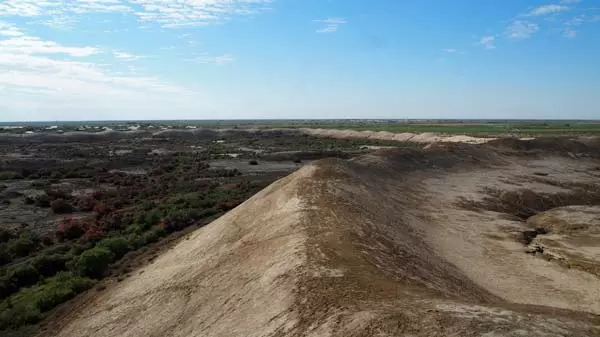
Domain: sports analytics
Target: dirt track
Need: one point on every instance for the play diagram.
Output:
(401, 242)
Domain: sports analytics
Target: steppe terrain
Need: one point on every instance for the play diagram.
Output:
(496, 239)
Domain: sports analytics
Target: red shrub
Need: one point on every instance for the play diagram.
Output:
(94, 234)
(70, 229)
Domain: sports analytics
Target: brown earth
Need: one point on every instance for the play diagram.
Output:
(397, 243)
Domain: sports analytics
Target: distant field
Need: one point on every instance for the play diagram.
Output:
(479, 128)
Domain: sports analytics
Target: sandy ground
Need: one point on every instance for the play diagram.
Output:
(376, 246)
(426, 137)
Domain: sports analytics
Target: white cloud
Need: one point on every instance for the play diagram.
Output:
(569, 1)
(548, 9)
(29, 45)
(167, 13)
(46, 69)
(521, 29)
(331, 25)
(7, 29)
(450, 50)
(219, 60)
(328, 29)
(333, 21)
(488, 42)
(126, 56)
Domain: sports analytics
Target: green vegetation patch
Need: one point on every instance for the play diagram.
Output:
(28, 305)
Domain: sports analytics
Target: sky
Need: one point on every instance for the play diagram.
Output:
(278, 59)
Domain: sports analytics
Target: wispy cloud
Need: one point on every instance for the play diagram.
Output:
(10, 30)
(166, 13)
(126, 56)
(30, 65)
(218, 60)
(521, 29)
(31, 45)
(548, 9)
(569, 1)
(570, 33)
(488, 42)
(331, 25)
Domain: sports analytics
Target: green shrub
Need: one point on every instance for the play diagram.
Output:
(152, 218)
(119, 246)
(134, 229)
(48, 265)
(24, 274)
(154, 235)
(18, 315)
(27, 306)
(135, 240)
(94, 262)
(17, 277)
(59, 289)
(60, 206)
(24, 245)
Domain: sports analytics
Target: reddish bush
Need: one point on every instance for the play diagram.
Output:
(70, 229)
(102, 209)
(93, 234)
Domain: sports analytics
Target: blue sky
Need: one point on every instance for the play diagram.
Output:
(238, 59)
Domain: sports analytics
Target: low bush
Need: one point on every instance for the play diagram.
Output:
(49, 265)
(119, 246)
(17, 277)
(24, 245)
(253, 162)
(154, 235)
(94, 262)
(70, 229)
(27, 306)
(61, 206)
(59, 289)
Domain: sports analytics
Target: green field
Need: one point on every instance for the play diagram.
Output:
(478, 129)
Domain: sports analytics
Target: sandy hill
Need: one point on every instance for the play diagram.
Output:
(399, 243)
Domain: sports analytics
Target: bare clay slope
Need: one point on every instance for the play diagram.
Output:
(377, 246)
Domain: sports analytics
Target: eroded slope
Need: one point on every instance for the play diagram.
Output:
(378, 246)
